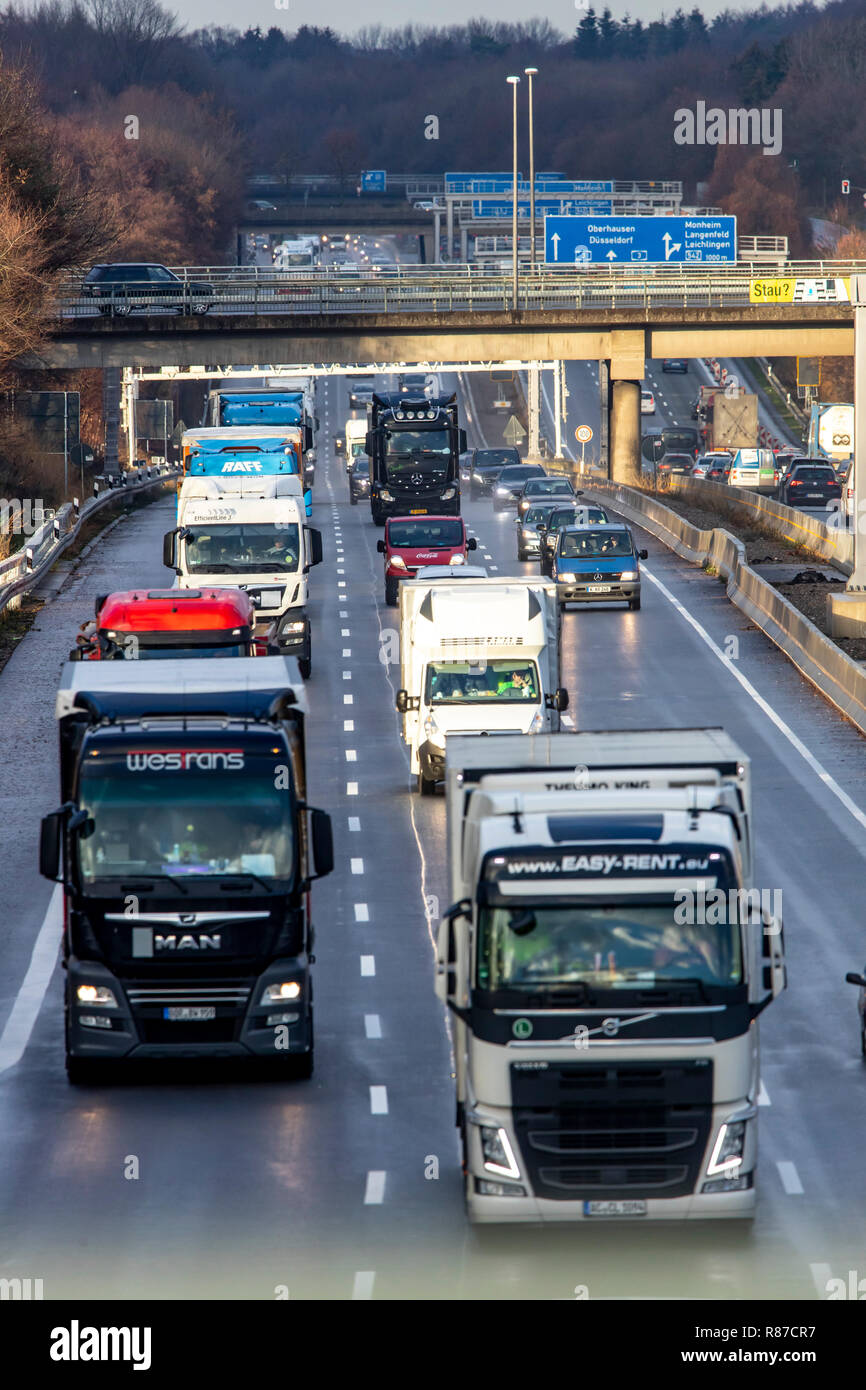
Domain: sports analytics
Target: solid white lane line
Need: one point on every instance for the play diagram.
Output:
(368, 965)
(372, 1025)
(790, 1178)
(28, 1001)
(767, 709)
(378, 1100)
(374, 1193)
(356, 865)
(362, 1289)
(362, 912)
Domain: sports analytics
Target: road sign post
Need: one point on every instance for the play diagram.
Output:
(583, 434)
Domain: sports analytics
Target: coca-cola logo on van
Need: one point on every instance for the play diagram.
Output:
(186, 760)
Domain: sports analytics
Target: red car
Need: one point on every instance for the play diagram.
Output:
(411, 542)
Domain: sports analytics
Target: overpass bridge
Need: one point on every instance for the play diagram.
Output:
(620, 316)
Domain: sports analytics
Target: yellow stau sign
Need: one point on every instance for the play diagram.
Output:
(789, 291)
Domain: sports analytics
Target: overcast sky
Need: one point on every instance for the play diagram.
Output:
(347, 16)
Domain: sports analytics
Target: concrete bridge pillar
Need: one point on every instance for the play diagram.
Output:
(625, 432)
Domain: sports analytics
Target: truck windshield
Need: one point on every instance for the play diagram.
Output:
(465, 683)
(147, 646)
(432, 535)
(622, 946)
(242, 549)
(406, 447)
(184, 811)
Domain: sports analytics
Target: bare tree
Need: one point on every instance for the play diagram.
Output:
(136, 34)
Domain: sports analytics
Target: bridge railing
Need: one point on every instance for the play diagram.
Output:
(441, 289)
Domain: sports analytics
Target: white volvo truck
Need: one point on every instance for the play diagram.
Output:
(476, 656)
(249, 533)
(606, 958)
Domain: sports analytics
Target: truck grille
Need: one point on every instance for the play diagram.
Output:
(149, 1001)
(613, 1131)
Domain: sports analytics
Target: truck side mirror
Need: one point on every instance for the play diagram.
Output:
(853, 979)
(49, 845)
(579, 492)
(323, 843)
(462, 444)
(368, 442)
(402, 697)
(315, 538)
(308, 437)
(472, 543)
(644, 554)
(558, 699)
(169, 550)
(380, 546)
(100, 599)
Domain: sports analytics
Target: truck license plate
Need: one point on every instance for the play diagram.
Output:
(598, 588)
(633, 1207)
(189, 1013)
(418, 511)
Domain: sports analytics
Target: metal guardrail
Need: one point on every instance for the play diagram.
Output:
(441, 289)
(20, 571)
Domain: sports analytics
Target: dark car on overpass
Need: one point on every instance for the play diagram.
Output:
(120, 288)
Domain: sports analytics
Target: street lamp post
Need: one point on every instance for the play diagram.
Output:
(530, 73)
(514, 81)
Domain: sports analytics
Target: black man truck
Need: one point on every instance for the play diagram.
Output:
(186, 850)
(414, 444)
(606, 958)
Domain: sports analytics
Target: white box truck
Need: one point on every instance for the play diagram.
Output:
(606, 958)
(476, 656)
(249, 533)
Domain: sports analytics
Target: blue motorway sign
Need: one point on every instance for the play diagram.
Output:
(642, 240)
(373, 181)
(495, 207)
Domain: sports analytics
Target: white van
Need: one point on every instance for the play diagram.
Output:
(755, 469)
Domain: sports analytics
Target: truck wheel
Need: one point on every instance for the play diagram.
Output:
(425, 788)
(305, 664)
(391, 592)
(634, 604)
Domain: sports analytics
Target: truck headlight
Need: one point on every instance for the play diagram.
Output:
(564, 578)
(629, 574)
(386, 495)
(396, 562)
(288, 989)
(448, 494)
(728, 1151)
(295, 627)
(96, 994)
(498, 1153)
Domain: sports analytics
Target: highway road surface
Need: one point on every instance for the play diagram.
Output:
(216, 1185)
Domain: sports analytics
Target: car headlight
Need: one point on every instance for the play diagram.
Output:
(502, 491)
(728, 1151)
(287, 989)
(96, 994)
(529, 534)
(629, 574)
(498, 1153)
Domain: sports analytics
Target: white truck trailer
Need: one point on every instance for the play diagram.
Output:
(606, 958)
(476, 656)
